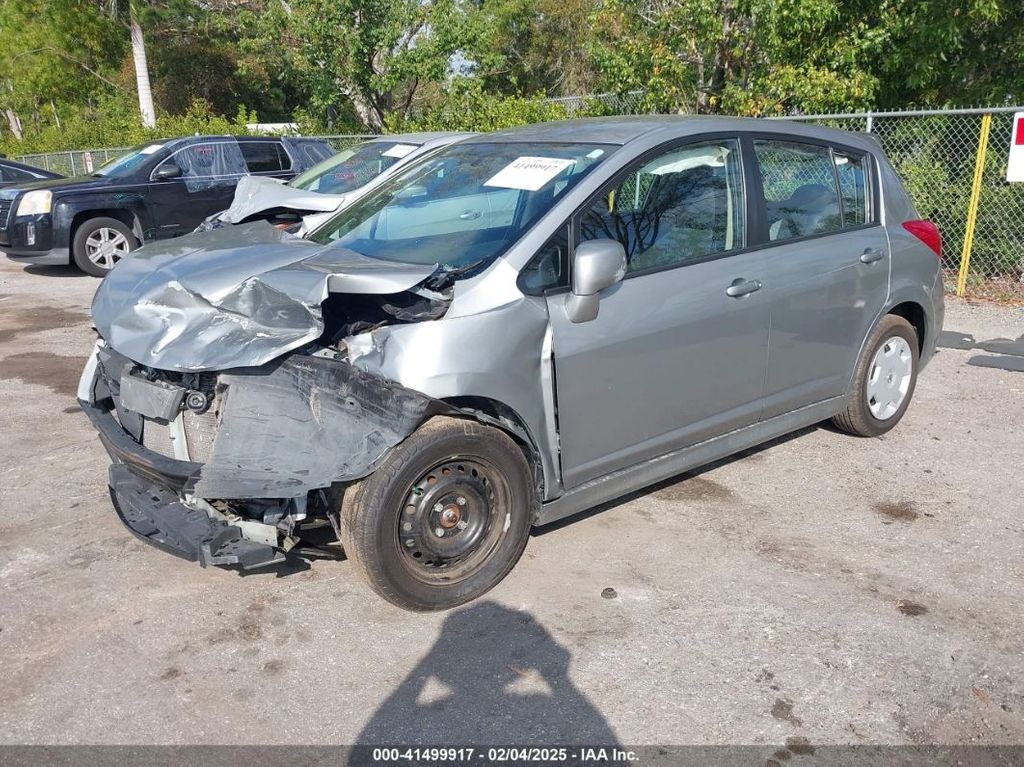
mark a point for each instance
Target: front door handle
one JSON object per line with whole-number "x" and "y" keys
{"x": 741, "y": 287}
{"x": 471, "y": 215}
{"x": 871, "y": 255}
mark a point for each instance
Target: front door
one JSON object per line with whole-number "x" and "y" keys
{"x": 209, "y": 174}
{"x": 678, "y": 351}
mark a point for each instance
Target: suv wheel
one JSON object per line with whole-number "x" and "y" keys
{"x": 100, "y": 243}
{"x": 884, "y": 380}
{"x": 443, "y": 519}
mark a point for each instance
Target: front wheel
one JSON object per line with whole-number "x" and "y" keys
{"x": 884, "y": 380}
{"x": 100, "y": 243}
{"x": 443, "y": 519}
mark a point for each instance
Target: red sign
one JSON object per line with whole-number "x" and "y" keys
{"x": 1018, "y": 138}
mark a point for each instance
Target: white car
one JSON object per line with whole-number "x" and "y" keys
{"x": 313, "y": 196}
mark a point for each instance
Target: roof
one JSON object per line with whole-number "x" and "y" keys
{"x": 420, "y": 138}
{"x": 624, "y": 129}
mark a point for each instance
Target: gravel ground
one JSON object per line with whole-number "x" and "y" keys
{"x": 824, "y": 588}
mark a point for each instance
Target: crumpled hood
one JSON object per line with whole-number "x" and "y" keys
{"x": 255, "y": 194}
{"x": 233, "y": 297}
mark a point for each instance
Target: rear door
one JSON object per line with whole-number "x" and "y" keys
{"x": 828, "y": 266}
{"x": 678, "y": 351}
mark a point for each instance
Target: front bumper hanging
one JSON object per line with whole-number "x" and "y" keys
{"x": 154, "y": 514}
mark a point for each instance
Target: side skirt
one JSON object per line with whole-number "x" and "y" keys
{"x": 624, "y": 481}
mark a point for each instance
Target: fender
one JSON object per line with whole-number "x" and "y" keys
{"x": 67, "y": 207}
{"x": 907, "y": 293}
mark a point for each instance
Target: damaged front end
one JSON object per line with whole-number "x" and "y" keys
{"x": 222, "y": 391}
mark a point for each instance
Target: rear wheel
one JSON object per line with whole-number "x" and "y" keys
{"x": 884, "y": 381}
{"x": 443, "y": 519}
{"x": 100, "y": 243}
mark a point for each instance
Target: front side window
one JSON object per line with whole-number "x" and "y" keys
{"x": 684, "y": 205}
{"x": 799, "y": 189}
{"x": 203, "y": 165}
{"x": 352, "y": 168}
{"x": 464, "y": 206}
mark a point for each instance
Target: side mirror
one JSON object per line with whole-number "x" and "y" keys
{"x": 597, "y": 264}
{"x": 166, "y": 172}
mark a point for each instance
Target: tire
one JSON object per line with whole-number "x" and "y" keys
{"x": 882, "y": 388}
{"x": 114, "y": 239}
{"x": 389, "y": 519}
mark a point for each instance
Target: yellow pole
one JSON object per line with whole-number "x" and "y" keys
{"x": 972, "y": 208}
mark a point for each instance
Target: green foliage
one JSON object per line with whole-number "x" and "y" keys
{"x": 466, "y": 106}
{"x": 114, "y": 122}
{"x": 375, "y": 55}
{"x": 752, "y": 57}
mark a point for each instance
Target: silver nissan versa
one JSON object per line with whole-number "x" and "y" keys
{"x": 518, "y": 328}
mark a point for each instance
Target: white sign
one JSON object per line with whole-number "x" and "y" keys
{"x": 1015, "y": 166}
{"x": 399, "y": 150}
{"x": 528, "y": 173}
{"x": 87, "y": 158}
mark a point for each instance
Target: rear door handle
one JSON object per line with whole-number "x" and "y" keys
{"x": 471, "y": 215}
{"x": 741, "y": 287}
{"x": 871, "y": 255}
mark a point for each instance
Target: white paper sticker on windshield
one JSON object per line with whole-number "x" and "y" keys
{"x": 399, "y": 150}
{"x": 151, "y": 148}
{"x": 528, "y": 173}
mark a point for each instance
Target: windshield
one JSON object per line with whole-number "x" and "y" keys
{"x": 352, "y": 168}
{"x": 127, "y": 163}
{"x": 464, "y": 206}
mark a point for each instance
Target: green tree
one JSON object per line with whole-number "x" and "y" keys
{"x": 533, "y": 46}
{"x": 54, "y": 53}
{"x": 127, "y": 13}
{"x": 377, "y": 55}
{"x": 734, "y": 56}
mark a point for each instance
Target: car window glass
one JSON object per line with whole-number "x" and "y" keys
{"x": 683, "y": 205}
{"x": 546, "y": 270}
{"x": 14, "y": 174}
{"x": 261, "y": 156}
{"x": 799, "y": 189}
{"x": 349, "y": 169}
{"x": 207, "y": 164}
{"x": 464, "y": 206}
{"x": 853, "y": 187}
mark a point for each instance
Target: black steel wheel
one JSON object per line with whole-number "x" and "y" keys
{"x": 444, "y": 518}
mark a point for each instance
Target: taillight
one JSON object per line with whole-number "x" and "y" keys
{"x": 926, "y": 232}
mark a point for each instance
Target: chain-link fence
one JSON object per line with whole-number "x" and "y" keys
{"x": 83, "y": 162}
{"x": 629, "y": 103}
{"x": 953, "y": 163}
{"x": 73, "y": 163}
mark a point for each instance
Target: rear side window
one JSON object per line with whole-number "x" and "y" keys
{"x": 799, "y": 189}
{"x": 264, "y": 156}
{"x": 682, "y": 206}
{"x": 851, "y": 169}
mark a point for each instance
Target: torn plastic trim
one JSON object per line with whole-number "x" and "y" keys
{"x": 285, "y": 430}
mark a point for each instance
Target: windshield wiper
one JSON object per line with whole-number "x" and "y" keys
{"x": 449, "y": 274}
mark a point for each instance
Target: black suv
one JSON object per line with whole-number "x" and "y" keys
{"x": 157, "y": 190}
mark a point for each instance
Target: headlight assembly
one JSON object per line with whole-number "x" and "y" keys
{"x": 35, "y": 202}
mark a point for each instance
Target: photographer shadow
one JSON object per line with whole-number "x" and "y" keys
{"x": 493, "y": 677}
